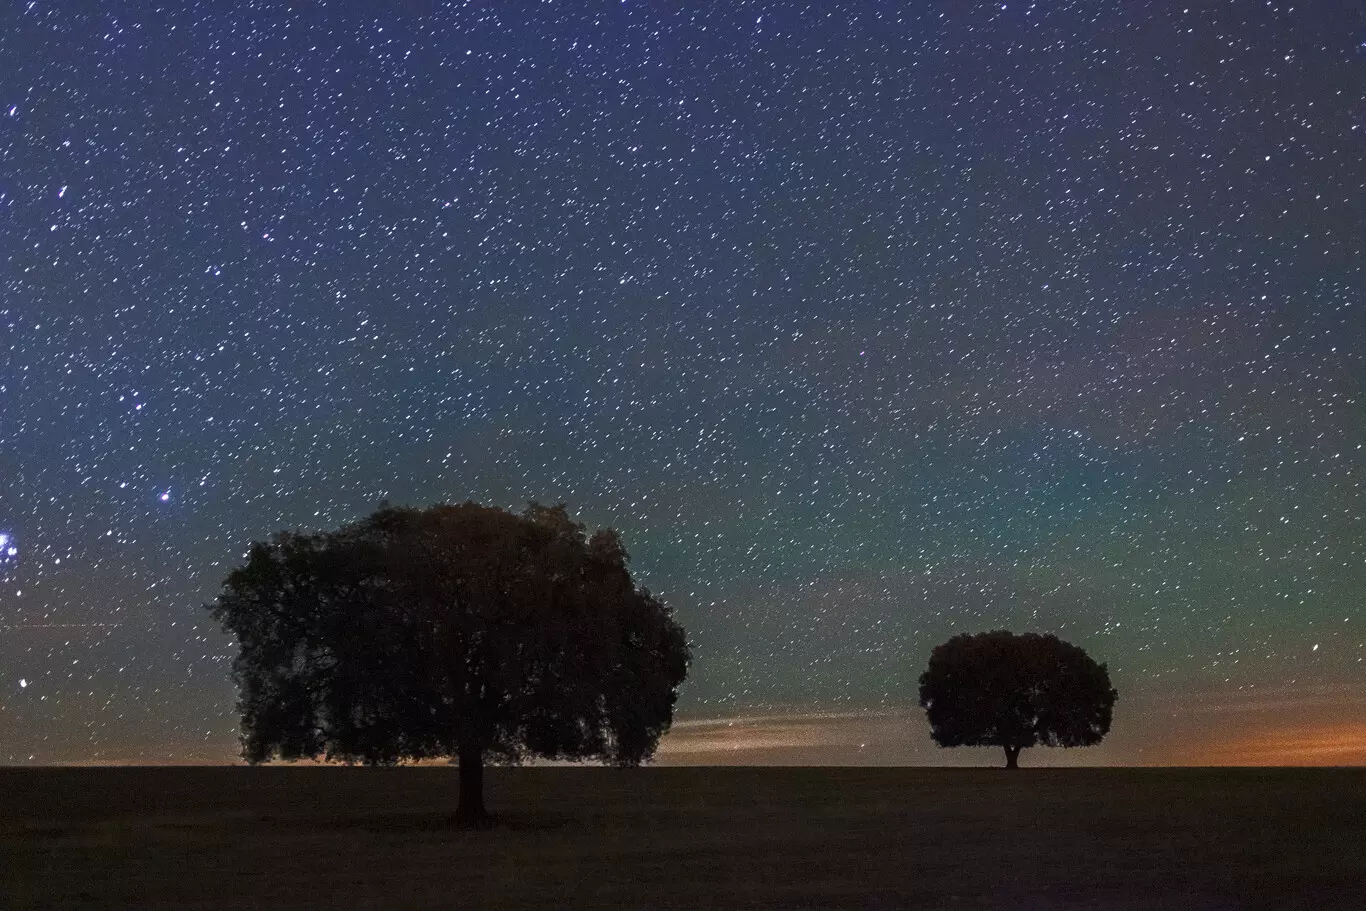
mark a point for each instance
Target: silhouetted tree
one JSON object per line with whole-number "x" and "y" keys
{"x": 1000, "y": 689}
{"x": 462, "y": 631}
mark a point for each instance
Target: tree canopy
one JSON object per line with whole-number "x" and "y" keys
{"x": 1000, "y": 689}
{"x": 454, "y": 631}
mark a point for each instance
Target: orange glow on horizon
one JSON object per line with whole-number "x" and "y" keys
{"x": 1341, "y": 744}
{"x": 900, "y": 738}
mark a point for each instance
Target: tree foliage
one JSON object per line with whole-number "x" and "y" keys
{"x": 1000, "y": 689}
{"x": 463, "y": 631}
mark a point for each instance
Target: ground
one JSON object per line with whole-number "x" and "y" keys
{"x": 716, "y": 838}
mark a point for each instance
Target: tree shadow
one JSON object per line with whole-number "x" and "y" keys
{"x": 536, "y": 822}
{"x": 421, "y": 822}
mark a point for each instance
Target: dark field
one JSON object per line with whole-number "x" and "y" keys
{"x": 345, "y": 839}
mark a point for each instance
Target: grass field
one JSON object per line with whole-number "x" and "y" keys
{"x": 340, "y": 839}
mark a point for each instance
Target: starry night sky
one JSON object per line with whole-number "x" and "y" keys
{"x": 866, "y": 322}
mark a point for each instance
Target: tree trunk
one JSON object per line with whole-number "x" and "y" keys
{"x": 1012, "y": 757}
{"x": 470, "y": 812}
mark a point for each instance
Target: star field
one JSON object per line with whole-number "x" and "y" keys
{"x": 866, "y": 323}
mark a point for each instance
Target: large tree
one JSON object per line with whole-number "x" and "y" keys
{"x": 1000, "y": 689}
{"x": 455, "y": 631}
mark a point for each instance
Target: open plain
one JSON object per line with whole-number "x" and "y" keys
{"x": 354, "y": 838}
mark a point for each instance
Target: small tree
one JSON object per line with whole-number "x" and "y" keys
{"x": 455, "y": 631}
{"x": 1000, "y": 689}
